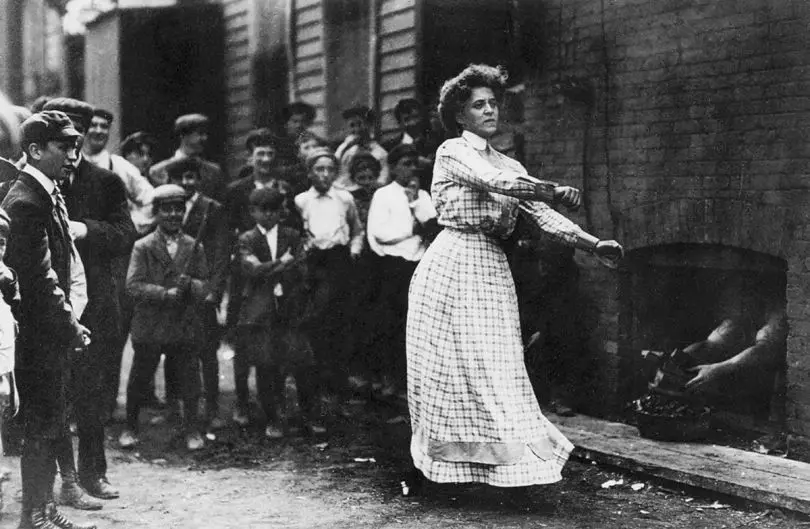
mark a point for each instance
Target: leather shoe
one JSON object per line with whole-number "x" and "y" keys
{"x": 59, "y": 520}
{"x": 72, "y": 495}
{"x": 101, "y": 488}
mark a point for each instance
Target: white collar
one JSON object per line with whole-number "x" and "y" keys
{"x": 264, "y": 231}
{"x": 193, "y": 198}
{"x": 477, "y": 142}
{"x": 407, "y": 139}
{"x": 48, "y": 184}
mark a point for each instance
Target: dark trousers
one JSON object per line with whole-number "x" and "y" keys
{"x": 208, "y": 362}
{"x": 329, "y": 331}
{"x": 270, "y": 385}
{"x": 43, "y": 415}
{"x": 144, "y": 364}
{"x": 395, "y": 279}
{"x": 90, "y": 400}
{"x": 38, "y": 470}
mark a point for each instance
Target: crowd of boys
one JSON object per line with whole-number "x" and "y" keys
{"x": 308, "y": 254}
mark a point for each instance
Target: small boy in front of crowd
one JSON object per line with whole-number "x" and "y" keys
{"x": 167, "y": 281}
{"x": 273, "y": 314}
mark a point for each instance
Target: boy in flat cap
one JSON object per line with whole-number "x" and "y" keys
{"x": 167, "y": 279}
{"x": 205, "y": 217}
{"x": 40, "y": 250}
{"x": 360, "y": 122}
{"x": 192, "y": 130}
{"x": 103, "y": 232}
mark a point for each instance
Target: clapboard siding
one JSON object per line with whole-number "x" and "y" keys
{"x": 397, "y": 48}
{"x": 309, "y": 70}
{"x": 238, "y": 79}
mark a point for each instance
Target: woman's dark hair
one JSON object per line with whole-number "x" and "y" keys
{"x": 456, "y": 91}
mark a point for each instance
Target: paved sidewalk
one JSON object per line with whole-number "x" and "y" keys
{"x": 769, "y": 480}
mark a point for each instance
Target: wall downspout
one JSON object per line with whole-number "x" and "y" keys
{"x": 373, "y": 59}
{"x": 289, "y": 11}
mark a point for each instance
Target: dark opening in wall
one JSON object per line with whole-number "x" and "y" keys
{"x": 679, "y": 294}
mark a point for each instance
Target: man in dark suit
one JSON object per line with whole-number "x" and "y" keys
{"x": 103, "y": 231}
{"x": 192, "y": 129}
{"x": 40, "y": 250}
{"x": 205, "y": 217}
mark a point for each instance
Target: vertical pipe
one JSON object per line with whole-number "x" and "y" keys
{"x": 373, "y": 60}
{"x": 289, "y": 13}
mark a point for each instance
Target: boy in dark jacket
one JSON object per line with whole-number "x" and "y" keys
{"x": 274, "y": 314}
{"x": 167, "y": 281}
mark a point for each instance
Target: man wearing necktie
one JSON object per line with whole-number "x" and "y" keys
{"x": 102, "y": 229}
{"x": 39, "y": 249}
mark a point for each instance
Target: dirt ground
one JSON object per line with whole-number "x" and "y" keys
{"x": 350, "y": 479}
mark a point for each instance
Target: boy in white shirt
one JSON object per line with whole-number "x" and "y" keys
{"x": 401, "y": 219}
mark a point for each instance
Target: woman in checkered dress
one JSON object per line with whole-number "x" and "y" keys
{"x": 474, "y": 416}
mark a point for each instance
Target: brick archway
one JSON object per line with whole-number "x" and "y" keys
{"x": 744, "y": 224}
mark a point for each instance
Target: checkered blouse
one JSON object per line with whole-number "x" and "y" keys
{"x": 477, "y": 189}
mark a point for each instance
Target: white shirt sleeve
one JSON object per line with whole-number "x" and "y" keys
{"x": 78, "y": 284}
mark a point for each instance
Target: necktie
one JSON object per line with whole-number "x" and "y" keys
{"x": 62, "y": 215}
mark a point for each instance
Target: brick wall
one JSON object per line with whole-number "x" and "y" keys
{"x": 683, "y": 121}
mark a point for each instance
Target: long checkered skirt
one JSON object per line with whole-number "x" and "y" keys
{"x": 474, "y": 415}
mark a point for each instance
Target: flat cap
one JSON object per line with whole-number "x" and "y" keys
{"x": 75, "y": 109}
{"x": 299, "y": 107}
{"x": 134, "y": 141}
{"x": 320, "y": 152}
{"x": 177, "y": 168}
{"x": 47, "y": 125}
{"x": 260, "y": 137}
{"x": 403, "y": 150}
{"x": 104, "y": 114}
{"x": 189, "y": 123}
{"x": 363, "y": 111}
{"x": 168, "y": 193}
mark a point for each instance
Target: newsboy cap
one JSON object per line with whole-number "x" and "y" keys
{"x": 261, "y": 138}
{"x": 401, "y": 151}
{"x": 46, "y": 126}
{"x": 104, "y": 114}
{"x": 177, "y": 168}
{"x": 363, "y": 111}
{"x": 189, "y": 123}
{"x": 75, "y": 109}
{"x": 168, "y": 193}
{"x": 299, "y": 107}
{"x": 134, "y": 141}
{"x": 320, "y": 152}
